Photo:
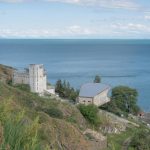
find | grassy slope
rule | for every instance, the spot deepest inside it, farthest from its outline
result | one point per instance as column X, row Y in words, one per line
column 5, row 73
column 56, row 133
column 53, row 133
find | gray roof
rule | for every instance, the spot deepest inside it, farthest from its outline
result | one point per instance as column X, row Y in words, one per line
column 92, row 89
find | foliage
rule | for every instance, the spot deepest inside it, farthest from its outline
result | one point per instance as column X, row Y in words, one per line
column 18, row 133
column 141, row 140
column 116, row 141
column 66, row 91
column 23, row 87
column 90, row 112
column 123, row 101
column 97, row 79
column 54, row 112
column 52, row 133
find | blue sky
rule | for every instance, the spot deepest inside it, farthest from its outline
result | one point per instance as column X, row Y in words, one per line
column 102, row 19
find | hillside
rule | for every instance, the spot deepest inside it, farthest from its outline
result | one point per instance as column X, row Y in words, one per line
column 5, row 73
column 30, row 122
column 56, row 133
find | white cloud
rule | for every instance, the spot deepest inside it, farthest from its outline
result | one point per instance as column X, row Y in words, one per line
column 132, row 28
column 74, row 30
column 12, row 1
column 125, row 4
column 147, row 17
column 117, row 30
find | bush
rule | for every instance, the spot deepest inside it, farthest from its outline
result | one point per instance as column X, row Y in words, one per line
column 90, row 112
column 141, row 140
column 54, row 112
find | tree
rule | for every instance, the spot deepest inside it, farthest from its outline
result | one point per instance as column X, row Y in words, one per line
column 97, row 79
column 125, row 99
column 66, row 91
column 59, row 88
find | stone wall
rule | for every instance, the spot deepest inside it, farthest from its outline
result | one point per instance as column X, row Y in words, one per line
column 85, row 100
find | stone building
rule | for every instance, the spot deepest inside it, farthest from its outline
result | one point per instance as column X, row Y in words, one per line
column 94, row 93
column 35, row 76
column 21, row 77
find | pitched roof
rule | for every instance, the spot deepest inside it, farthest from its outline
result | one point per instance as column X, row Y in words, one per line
column 92, row 89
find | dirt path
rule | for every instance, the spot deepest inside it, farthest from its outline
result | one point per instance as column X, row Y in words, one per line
column 126, row 143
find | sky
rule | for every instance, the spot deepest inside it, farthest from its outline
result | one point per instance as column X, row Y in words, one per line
column 87, row 19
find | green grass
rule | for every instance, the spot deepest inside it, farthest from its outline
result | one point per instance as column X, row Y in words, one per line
column 115, row 141
column 30, row 122
column 19, row 133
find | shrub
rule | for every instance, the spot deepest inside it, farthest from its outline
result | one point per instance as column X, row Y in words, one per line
column 141, row 140
column 54, row 112
column 90, row 112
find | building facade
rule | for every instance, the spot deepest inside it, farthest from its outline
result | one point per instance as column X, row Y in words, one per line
column 94, row 93
column 35, row 76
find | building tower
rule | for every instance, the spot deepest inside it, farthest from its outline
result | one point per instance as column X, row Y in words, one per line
column 38, row 79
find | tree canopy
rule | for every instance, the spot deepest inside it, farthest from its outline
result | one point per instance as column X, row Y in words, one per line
column 64, row 90
column 123, row 100
column 97, row 79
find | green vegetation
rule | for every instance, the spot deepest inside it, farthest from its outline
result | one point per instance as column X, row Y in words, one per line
column 90, row 112
column 24, row 87
column 17, row 132
column 97, row 79
column 123, row 101
column 28, row 121
column 116, row 141
column 66, row 91
column 141, row 140
column 54, row 112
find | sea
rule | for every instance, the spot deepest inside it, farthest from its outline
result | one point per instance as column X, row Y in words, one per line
column 118, row 62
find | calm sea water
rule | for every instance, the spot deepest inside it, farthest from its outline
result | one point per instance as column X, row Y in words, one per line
column 119, row 62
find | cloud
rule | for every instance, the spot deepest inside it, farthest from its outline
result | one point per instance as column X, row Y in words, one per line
column 73, row 30
column 12, row 1
column 117, row 30
column 147, row 17
column 124, row 4
column 132, row 28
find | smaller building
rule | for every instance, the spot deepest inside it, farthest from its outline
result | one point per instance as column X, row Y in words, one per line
column 94, row 93
column 21, row 77
column 50, row 90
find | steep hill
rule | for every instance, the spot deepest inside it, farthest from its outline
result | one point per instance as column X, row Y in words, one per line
column 30, row 122
column 62, row 133
column 5, row 73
